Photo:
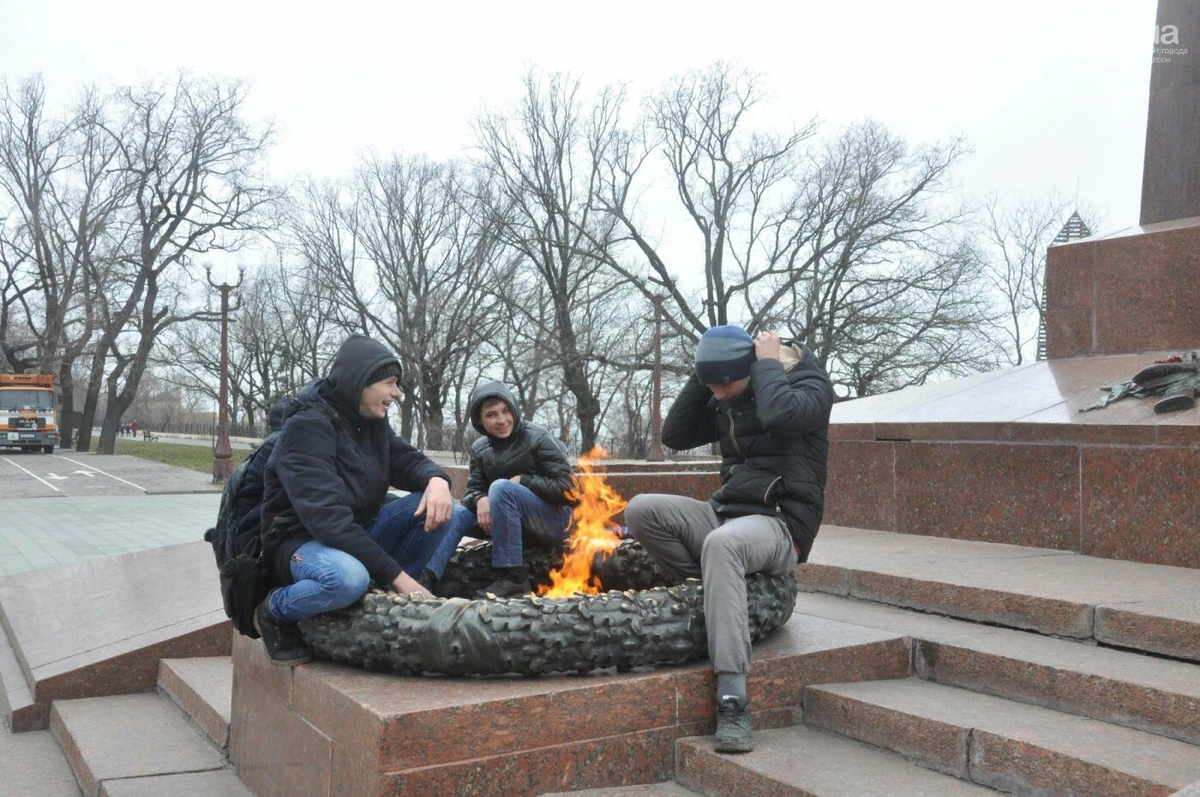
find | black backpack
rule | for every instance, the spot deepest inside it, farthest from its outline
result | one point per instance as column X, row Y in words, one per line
column 241, row 551
column 240, row 557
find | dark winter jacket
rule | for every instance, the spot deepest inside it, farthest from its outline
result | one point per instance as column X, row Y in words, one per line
column 329, row 472
column 774, row 441
column 248, row 502
column 529, row 451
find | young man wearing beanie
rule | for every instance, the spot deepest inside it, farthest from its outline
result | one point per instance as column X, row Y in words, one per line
column 517, row 488
column 768, row 404
column 330, row 527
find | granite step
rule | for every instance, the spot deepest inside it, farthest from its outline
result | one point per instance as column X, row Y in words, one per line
column 1151, row 694
column 665, row 789
column 805, row 762
column 385, row 733
column 203, row 689
column 1014, row 747
column 111, row 740
column 1144, row 607
column 100, row 627
column 18, row 710
column 32, row 765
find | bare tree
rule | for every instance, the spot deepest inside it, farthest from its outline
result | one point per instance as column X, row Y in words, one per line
column 58, row 178
column 1016, row 234
column 192, row 167
column 849, row 246
column 403, row 258
column 540, row 157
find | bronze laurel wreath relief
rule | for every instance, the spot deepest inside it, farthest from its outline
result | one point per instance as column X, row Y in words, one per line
column 643, row 619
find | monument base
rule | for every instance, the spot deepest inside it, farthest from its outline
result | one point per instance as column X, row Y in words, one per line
column 1007, row 457
column 324, row 729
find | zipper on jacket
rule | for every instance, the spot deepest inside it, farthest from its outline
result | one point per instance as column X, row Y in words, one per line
column 767, row 494
column 733, row 435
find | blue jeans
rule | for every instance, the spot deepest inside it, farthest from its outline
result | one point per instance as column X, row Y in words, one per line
column 326, row 578
column 519, row 515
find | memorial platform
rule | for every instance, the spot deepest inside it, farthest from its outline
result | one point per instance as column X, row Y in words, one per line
column 326, row 729
column 1007, row 457
column 100, row 627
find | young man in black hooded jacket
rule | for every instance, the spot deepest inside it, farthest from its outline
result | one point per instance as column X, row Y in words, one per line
column 517, row 488
column 768, row 405
column 329, row 526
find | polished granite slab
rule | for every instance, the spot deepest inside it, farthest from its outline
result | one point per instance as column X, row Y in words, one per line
column 100, row 627
column 1030, row 401
column 1130, row 291
column 1008, row 457
column 326, row 729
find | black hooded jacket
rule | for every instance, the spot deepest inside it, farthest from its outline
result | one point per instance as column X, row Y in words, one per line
column 774, row 441
column 248, row 502
column 529, row 451
column 329, row 472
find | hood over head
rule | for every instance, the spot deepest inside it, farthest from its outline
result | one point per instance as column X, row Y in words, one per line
column 354, row 367
column 282, row 410
column 494, row 390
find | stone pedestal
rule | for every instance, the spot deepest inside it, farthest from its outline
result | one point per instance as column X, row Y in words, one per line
column 327, row 730
column 1171, row 173
column 1007, row 457
column 1133, row 291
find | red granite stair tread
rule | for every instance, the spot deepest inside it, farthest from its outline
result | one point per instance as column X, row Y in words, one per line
column 16, row 700
column 1177, row 677
column 902, row 715
column 1129, row 604
column 1138, row 691
column 222, row 783
column 667, row 789
column 803, row 762
column 203, row 688
column 1020, row 570
column 128, row 736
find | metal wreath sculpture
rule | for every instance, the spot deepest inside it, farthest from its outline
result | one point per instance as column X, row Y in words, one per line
column 643, row 620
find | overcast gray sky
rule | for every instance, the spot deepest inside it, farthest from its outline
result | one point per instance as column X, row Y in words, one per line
column 1049, row 93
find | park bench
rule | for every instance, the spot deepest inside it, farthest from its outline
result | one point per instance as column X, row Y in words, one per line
column 149, row 437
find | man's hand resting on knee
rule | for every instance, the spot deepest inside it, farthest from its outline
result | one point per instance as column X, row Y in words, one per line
column 483, row 514
column 436, row 504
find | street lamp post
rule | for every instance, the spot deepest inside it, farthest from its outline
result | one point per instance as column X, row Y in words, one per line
column 223, row 453
column 655, row 454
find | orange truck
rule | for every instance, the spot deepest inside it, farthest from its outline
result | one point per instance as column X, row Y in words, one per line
column 28, row 412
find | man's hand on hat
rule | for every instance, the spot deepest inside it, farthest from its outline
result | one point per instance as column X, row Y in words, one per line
column 766, row 345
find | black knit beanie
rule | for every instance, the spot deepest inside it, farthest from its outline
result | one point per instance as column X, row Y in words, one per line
column 383, row 372
column 724, row 355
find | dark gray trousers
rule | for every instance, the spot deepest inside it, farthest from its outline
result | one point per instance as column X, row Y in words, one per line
column 688, row 540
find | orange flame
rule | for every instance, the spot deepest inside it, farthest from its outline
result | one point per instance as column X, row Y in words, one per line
column 594, row 530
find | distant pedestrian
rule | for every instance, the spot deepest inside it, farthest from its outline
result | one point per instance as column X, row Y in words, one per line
column 133, row 427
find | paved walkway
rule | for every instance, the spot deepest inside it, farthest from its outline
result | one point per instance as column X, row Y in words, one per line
column 46, row 532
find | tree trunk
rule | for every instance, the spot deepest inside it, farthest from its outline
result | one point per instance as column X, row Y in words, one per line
column 66, row 414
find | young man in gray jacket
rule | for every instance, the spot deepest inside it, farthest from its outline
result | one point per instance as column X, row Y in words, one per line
column 517, row 488
column 768, row 405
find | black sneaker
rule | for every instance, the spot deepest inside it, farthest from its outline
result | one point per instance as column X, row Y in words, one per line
column 428, row 579
column 513, row 583
column 733, row 725
column 280, row 638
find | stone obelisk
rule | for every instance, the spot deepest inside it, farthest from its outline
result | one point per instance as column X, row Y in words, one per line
column 1171, row 173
